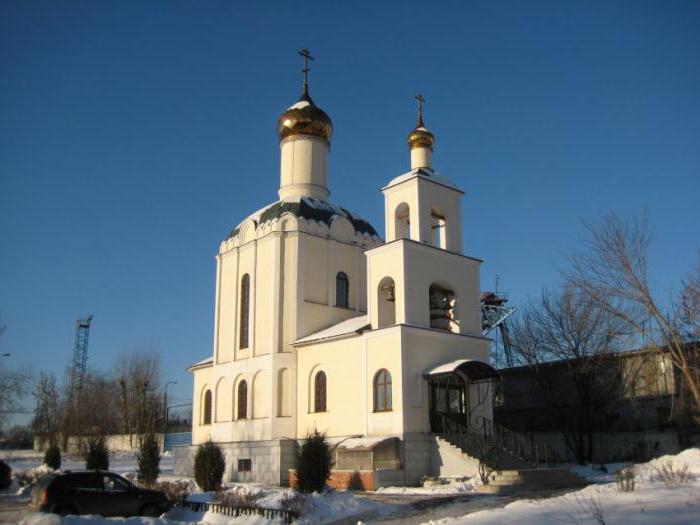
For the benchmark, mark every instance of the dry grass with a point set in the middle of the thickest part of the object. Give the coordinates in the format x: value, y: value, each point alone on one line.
x: 674, y: 475
x: 625, y: 478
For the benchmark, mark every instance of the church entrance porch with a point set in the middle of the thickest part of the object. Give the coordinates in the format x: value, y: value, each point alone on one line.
x: 461, y: 392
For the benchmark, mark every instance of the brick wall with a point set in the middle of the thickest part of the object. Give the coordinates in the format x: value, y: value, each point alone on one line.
x: 343, y: 479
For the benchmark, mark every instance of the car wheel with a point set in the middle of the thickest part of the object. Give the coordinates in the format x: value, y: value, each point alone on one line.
x: 65, y: 510
x: 149, y: 509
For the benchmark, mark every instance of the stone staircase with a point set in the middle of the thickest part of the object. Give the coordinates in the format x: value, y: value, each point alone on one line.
x: 516, y: 463
x: 531, y: 480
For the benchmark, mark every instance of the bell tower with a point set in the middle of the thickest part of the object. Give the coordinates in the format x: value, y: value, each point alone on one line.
x: 420, y: 205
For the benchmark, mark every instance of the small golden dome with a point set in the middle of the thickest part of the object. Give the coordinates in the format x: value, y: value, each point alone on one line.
x: 420, y: 137
x: 304, y: 118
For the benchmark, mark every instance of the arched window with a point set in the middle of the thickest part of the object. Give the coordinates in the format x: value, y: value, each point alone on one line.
x: 386, y: 302
x: 206, y: 411
x: 382, y: 391
x: 402, y: 222
x: 242, y: 400
x: 245, y: 313
x: 342, y: 290
x: 320, y: 392
x: 442, y: 302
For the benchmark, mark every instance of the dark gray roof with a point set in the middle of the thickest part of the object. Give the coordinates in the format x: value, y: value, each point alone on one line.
x: 310, y: 209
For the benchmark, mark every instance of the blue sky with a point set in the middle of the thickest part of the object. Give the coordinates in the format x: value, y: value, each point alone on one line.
x: 135, y: 135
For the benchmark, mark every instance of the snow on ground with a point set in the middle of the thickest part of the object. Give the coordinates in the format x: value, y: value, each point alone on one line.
x: 652, y: 502
x: 451, y: 487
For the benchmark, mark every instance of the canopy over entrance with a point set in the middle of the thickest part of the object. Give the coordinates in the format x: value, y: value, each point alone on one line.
x: 473, y: 369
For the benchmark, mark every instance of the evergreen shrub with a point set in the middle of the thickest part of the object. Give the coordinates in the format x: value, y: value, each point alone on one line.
x: 313, y: 463
x: 97, y: 456
x: 5, y: 475
x: 209, y: 465
x: 149, y: 460
x: 52, y: 456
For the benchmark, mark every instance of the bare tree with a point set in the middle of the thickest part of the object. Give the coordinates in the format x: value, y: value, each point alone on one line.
x: 612, y: 272
x: 568, y: 329
x: 137, y: 375
x: 47, y: 414
x: 14, y: 384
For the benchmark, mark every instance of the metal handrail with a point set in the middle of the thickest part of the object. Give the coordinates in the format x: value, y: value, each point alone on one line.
x: 482, y: 443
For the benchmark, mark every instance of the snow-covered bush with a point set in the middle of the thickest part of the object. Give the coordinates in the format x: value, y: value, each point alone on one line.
x: 52, y: 456
x: 97, y: 456
x: 239, y: 497
x: 624, y: 478
x: 149, y: 459
x: 209, y: 465
x: 176, y: 490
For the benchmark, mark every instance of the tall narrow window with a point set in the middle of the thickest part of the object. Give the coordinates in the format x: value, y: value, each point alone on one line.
x: 242, y: 400
x: 320, y: 392
x: 245, y: 313
x: 342, y: 290
x: 382, y: 391
x: 206, y: 416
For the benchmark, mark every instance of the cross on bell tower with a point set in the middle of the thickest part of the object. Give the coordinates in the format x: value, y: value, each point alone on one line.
x: 419, y: 98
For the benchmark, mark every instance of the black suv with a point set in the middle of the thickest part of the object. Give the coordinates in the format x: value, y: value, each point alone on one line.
x: 95, y: 492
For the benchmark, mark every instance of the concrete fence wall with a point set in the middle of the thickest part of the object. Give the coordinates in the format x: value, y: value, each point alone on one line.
x: 114, y: 442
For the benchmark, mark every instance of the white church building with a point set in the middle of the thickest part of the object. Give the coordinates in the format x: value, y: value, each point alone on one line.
x: 322, y: 324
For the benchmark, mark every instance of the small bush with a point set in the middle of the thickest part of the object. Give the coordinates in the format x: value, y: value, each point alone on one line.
x: 209, y: 465
x: 5, y: 475
x: 239, y: 497
x: 97, y: 456
x: 52, y: 457
x: 313, y: 463
x: 176, y: 490
x: 624, y: 478
x: 674, y: 476
x: 149, y: 460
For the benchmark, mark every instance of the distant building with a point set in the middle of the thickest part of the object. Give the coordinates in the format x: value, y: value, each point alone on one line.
x: 637, y: 407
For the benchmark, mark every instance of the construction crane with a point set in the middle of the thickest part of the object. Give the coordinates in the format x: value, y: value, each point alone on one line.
x: 494, y: 313
x: 82, y: 330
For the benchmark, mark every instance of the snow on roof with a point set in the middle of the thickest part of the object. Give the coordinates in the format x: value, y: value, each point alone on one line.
x: 426, y: 173
x: 299, y: 105
x: 308, y: 208
x: 349, y: 326
x: 206, y: 361
x: 362, y: 443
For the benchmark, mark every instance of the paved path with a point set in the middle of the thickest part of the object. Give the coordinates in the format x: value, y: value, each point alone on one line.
x: 412, y: 509
x: 12, y: 510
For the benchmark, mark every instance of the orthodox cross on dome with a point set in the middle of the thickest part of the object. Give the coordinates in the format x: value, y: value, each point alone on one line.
x: 420, y: 100
x: 307, y: 56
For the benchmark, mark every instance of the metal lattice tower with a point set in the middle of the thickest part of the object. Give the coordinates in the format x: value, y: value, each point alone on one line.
x: 82, y: 330
x: 494, y: 313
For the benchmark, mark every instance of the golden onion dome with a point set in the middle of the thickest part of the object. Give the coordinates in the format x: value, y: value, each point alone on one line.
x: 420, y: 137
x: 304, y: 118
